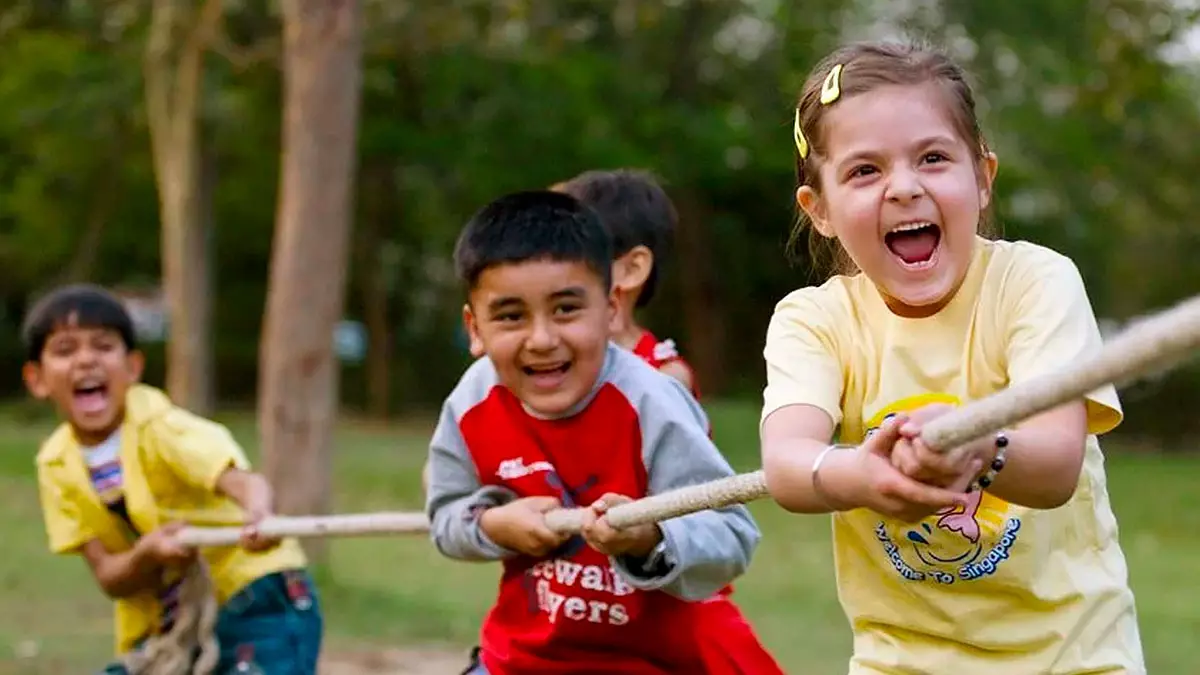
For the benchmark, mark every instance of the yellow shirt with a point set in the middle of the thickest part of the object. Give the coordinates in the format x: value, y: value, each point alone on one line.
x: 171, y: 460
x: 995, y: 588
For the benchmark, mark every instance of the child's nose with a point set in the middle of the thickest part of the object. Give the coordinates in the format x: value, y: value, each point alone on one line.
x: 543, y: 336
x: 86, y: 355
x: 904, y: 185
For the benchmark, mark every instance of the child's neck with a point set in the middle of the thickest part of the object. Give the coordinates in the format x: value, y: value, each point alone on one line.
x: 95, y: 439
x: 626, y: 331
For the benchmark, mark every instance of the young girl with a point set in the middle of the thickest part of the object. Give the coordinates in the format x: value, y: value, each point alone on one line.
x: 1002, y: 556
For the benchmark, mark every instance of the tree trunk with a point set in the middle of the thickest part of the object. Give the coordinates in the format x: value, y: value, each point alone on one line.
x: 701, y: 300
x: 174, y: 76
x: 299, y: 375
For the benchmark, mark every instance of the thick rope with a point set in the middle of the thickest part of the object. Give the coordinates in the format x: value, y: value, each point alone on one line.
x: 190, y: 646
x: 1150, y: 346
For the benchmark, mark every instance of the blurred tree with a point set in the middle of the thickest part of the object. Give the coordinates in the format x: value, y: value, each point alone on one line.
x: 180, y: 34
x: 1086, y: 102
x: 305, y: 294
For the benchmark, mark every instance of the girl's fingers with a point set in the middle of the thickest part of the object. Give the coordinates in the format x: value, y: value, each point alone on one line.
x: 915, y: 492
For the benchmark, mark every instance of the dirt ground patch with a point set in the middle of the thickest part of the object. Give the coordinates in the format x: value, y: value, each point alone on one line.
x: 432, y: 660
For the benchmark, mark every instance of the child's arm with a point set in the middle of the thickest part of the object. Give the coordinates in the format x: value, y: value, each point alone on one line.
x: 205, y: 455
x: 801, y: 408
x: 455, y: 500
x: 1043, y: 458
x: 118, y: 574
x: 701, y: 552
x: 139, y: 569
x: 252, y: 491
x: 794, y: 437
x: 1051, y: 324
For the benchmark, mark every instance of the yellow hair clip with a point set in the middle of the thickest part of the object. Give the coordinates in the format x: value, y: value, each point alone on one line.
x: 831, y: 89
x: 798, y: 134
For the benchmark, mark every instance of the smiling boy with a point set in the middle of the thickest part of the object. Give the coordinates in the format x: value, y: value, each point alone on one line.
x: 125, y: 465
x: 554, y: 414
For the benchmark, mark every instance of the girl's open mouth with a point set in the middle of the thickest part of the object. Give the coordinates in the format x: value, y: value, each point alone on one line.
x: 914, y: 243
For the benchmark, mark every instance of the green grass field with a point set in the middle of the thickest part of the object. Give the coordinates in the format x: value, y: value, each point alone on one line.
x: 398, y: 591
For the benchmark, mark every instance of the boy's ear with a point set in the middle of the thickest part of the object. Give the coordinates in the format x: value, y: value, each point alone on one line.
x: 31, y: 372
x: 631, y: 270
x: 135, y: 361
x: 474, y: 342
x: 814, y: 207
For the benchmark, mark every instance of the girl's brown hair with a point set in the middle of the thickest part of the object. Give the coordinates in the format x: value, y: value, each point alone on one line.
x: 867, y: 66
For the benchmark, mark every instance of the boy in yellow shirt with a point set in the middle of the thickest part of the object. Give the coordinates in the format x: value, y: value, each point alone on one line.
x: 126, y: 466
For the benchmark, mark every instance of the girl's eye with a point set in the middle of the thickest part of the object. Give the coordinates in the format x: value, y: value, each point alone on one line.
x: 862, y: 170
x: 934, y: 157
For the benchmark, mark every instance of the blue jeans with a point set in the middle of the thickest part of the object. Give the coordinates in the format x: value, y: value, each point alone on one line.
x: 280, y: 616
x: 476, y: 667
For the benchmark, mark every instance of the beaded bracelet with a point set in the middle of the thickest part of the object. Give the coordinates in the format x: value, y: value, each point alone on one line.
x: 994, y: 468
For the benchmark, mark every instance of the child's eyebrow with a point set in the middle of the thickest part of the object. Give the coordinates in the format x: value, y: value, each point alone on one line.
x: 570, y: 292
x: 504, y: 302
x: 938, y: 139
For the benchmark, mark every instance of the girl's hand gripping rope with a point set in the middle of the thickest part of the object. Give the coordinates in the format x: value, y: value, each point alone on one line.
x: 864, y: 477
x: 912, y: 457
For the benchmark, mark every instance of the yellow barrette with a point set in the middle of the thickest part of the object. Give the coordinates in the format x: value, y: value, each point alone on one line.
x: 801, y: 141
x: 831, y: 89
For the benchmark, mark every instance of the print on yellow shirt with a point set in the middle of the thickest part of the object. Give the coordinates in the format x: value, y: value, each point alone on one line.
x: 955, y: 543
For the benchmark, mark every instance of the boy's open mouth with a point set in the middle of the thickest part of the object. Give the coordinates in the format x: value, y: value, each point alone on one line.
x: 914, y: 243
x: 547, y: 375
x: 91, y: 397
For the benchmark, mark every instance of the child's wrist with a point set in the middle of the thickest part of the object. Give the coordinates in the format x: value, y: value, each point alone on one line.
x: 829, y: 478
x: 650, y: 538
x: 486, y: 519
x: 143, y: 557
x: 995, y: 458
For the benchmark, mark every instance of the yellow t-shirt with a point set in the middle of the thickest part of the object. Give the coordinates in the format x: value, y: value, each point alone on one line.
x: 995, y: 588
x: 170, y: 460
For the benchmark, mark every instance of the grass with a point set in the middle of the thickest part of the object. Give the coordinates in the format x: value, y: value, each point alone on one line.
x: 396, y: 591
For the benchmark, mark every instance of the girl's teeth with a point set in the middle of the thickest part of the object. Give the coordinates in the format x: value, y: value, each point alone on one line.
x: 910, y: 226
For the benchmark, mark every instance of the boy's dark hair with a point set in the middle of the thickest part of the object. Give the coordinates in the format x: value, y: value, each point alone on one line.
x: 533, y: 225
x: 635, y: 208
x: 90, y: 305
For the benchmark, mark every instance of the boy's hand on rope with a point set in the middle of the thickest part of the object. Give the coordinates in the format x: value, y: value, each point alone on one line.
x: 253, y: 493
x: 864, y: 477
x: 161, y: 545
x: 637, y: 541
x: 918, y: 461
x: 520, y: 526
x: 252, y: 539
